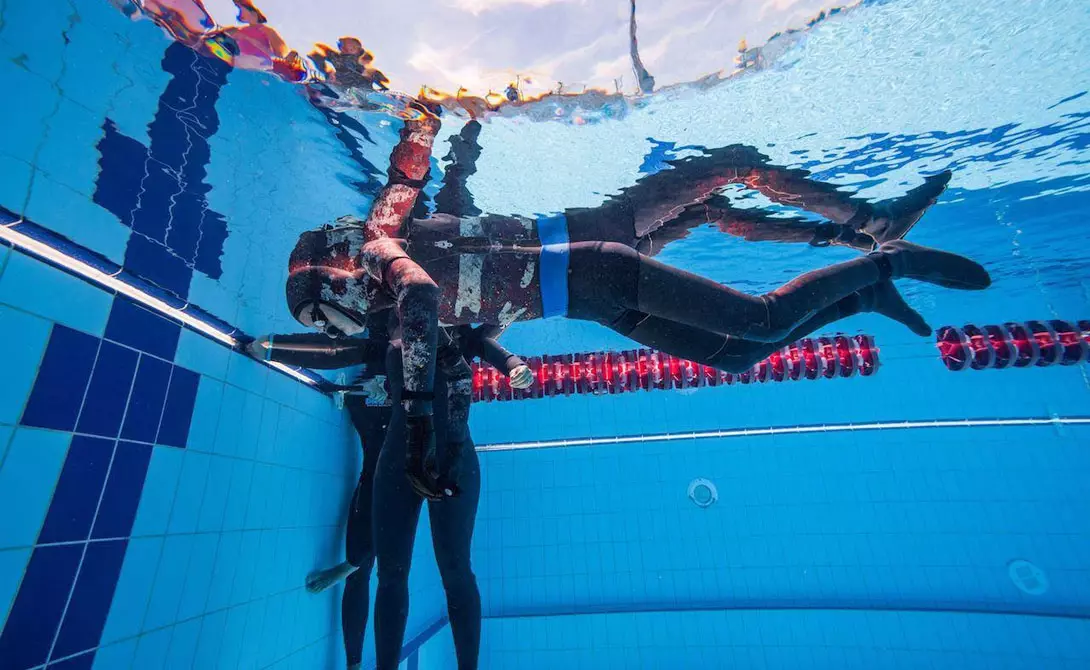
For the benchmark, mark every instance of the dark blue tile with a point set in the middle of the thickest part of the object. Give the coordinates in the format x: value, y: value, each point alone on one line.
x: 122, y: 495
x: 91, y: 598
x: 109, y: 391
x: 72, y: 510
x: 178, y: 413
x: 142, y: 329
x: 81, y: 662
x: 39, y: 605
x: 152, y: 261
x: 149, y: 392
x: 62, y: 380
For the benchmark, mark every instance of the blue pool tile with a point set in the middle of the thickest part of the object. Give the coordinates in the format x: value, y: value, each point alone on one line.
x: 134, y: 586
x: 121, y: 497
x: 220, y: 471
x: 178, y: 411
x: 206, y: 413
x: 223, y: 574
x: 12, y: 564
x: 72, y: 510
x: 210, y: 640
x: 27, y: 478
x: 28, y: 335
x: 157, y: 497
x: 5, y: 437
x: 84, y: 661
x: 232, y: 415
x: 29, y: 118
x: 238, y: 499
x: 200, y: 354
x: 72, y: 215
x: 183, y: 646
x: 90, y: 603
x: 62, y: 380
x: 104, y: 406
x: 169, y: 584
x: 67, y: 154
x: 40, y: 289
x: 142, y: 329
x: 152, y: 649
x: 14, y: 185
x: 39, y: 605
x: 115, y: 656
x: 153, y: 262
x: 149, y: 393
x: 198, y: 575
x: 187, y: 505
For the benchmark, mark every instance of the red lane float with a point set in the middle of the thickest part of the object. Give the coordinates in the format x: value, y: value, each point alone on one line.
x: 612, y: 372
x: 1014, y: 345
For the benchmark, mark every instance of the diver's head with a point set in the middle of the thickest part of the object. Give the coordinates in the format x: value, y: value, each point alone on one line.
x: 326, y: 288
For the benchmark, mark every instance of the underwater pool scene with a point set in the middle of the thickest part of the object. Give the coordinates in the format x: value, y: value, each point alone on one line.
x: 748, y: 334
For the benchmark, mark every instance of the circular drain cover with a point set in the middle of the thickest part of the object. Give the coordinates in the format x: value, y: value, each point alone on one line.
x: 703, y: 493
x: 1028, y: 577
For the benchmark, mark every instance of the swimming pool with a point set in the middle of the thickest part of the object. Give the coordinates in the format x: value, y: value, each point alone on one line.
x: 160, y: 511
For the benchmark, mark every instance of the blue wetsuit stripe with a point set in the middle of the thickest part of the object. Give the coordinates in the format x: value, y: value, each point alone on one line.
x: 553, y: 233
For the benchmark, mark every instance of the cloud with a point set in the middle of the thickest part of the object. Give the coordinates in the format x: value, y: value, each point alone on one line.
x: 476, y: 7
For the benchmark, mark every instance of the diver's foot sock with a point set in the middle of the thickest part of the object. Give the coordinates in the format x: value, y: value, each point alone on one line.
x: 893, y: 219
x: 320, y: 580
x: 913, y: 261
x: 883, y: 298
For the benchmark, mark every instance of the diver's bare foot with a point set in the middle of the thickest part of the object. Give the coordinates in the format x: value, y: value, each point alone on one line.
x: 320, y: 580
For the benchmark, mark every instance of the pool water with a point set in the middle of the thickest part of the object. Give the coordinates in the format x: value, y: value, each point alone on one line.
x: 162, y: 498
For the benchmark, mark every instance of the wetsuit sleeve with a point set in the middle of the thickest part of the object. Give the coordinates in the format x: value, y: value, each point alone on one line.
x: 480, y: 342
x: 417, y: 304
x: 452, y: 362
x: 410, y: 163
x: 319, y: 352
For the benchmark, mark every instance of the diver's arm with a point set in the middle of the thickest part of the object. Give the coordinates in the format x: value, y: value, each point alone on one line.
x: 410, y: 163
x: 417, y: 299
x: 314, y: 350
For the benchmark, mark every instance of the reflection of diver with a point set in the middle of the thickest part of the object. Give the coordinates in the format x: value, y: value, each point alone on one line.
x: 452, y: 521
x: 370, y: 409
x: 495, y: 269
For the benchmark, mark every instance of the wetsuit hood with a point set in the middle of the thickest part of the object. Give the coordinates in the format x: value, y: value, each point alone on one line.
x: 324, y: 267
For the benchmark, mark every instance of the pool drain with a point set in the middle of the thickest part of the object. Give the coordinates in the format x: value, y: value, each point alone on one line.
x: 1028, y: 577
x: 703, y: 493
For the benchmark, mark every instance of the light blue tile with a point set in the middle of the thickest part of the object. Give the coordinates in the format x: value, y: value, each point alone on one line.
x: 248, y: 374
x: 242, y: 587
x: 216, y: 299
x: 134, y: 588
x: 231, y: 412
x: 206, y: 414
x: 266, y: 441
x: 198, y: 575
x: 283, y: 389
x: 39, y: 289
x: 200, y: 354
x: 216, y: 490
x: 152, y: 649
x: 169, y: 583
x: 27, y: 478
x: 5, y: 439
x: 191, y: 483
x: 27, y: 335
x: 39, y: 34
x: 234, y: 633
x: 90, y: 77
x: 183, y: 645
x: 69, y: 154
x: 12, y: 564
x: 56, y: 206
x: 225, y: 570
x: 250, y: 425
x: 14, y: 182
x: 25, y: 123
x: 210, y: 641
x: 160, y: 485
x: 238, y: 499
x: 116, y: 656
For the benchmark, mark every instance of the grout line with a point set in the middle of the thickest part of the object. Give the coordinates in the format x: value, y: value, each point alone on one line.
x: 786, y: 430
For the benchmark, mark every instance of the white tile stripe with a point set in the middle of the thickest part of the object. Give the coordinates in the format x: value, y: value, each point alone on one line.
x: 786, y: 430
x: 111, y: 282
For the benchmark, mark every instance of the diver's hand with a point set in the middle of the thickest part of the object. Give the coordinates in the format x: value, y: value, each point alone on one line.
x: 257, y: 349
x: 421, y: 465
x: 522, y: 377
x: 448, y: 480
x: 375, y: 389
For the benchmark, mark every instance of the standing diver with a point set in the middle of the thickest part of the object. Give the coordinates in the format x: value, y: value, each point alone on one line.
x: 371, y: 410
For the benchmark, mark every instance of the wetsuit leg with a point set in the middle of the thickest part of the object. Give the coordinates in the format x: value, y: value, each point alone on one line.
x: 371, y: 424
x: 608, y: 279
x: 395, y: 518
x: 452, y: 534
